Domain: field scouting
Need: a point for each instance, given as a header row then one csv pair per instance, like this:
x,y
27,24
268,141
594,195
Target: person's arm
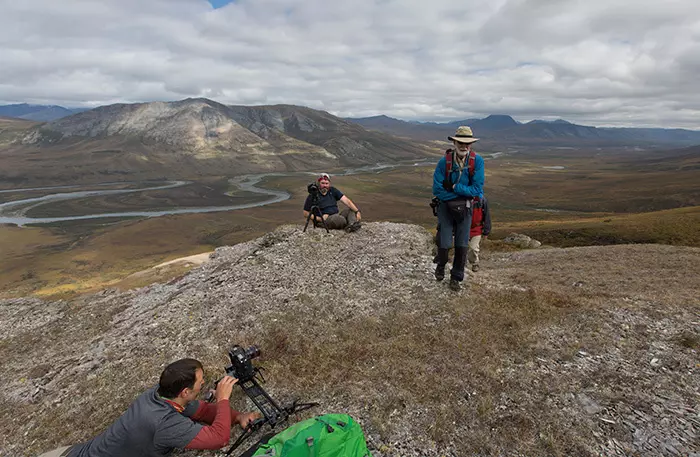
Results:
x,y
438,177
206,412
477,186
315,217
487,218
307,208
347,202
216,435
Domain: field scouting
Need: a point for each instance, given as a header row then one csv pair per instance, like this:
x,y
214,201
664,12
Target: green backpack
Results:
x,y
330,435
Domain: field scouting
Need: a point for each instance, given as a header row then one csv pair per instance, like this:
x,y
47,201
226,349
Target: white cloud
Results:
x,y
599,62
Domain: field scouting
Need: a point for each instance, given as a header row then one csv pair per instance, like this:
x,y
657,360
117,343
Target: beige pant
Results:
x,y
60,452
474,249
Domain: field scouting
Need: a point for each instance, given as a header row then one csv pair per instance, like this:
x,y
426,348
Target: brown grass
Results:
x,y
446,363
680,227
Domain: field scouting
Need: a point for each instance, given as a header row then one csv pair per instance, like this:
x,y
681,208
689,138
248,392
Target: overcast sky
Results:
x,y
597,62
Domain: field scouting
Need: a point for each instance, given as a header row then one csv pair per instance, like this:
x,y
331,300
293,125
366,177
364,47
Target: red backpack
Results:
x,y
470,163
477,216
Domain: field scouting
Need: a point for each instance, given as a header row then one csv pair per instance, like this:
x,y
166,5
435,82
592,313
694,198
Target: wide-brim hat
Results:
x,y
463,135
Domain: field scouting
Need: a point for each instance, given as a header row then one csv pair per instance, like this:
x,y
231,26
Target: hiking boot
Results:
x,y
440,272
455,285
354,227
475,267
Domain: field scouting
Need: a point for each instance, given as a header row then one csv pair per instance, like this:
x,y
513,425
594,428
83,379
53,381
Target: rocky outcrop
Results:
x,y
522,241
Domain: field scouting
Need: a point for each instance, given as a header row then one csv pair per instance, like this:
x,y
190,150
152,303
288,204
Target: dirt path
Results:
x,y
196,259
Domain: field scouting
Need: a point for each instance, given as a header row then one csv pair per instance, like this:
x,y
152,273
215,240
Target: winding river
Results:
x,y
14,212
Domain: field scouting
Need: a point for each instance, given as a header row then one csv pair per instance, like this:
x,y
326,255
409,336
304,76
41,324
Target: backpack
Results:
x,y
330,435
471,160
477,213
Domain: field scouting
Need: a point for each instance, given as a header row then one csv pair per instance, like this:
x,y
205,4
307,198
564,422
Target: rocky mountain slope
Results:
x,y
196,137
580,351
12,130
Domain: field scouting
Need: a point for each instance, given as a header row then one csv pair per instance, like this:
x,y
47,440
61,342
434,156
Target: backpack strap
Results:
x,y
471,164
448,163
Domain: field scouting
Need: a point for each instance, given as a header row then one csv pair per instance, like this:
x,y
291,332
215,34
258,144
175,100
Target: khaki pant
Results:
x,y
474,249
60,452
339,221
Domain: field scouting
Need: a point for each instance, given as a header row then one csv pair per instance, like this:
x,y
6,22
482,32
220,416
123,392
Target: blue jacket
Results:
x,y
462,188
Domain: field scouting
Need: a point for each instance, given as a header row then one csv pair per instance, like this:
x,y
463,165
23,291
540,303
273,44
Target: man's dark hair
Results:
x,y
177,376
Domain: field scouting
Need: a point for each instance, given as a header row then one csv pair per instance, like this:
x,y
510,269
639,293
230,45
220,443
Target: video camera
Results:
x,y
313,189
315,211
242,368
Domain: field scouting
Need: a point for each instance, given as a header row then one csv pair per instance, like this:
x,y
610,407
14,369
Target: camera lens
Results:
x,y
252,352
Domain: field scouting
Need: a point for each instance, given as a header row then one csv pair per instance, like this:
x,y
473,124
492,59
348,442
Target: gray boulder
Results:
x,y
522,241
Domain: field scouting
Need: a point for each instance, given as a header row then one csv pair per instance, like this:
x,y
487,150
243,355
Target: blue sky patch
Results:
x,y
220,3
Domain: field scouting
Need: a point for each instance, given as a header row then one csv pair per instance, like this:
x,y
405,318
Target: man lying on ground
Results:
x,y
166,417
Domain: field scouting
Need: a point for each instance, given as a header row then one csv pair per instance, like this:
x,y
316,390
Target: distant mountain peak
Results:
x,y
493,122
501,117
541,121
379,117
40,113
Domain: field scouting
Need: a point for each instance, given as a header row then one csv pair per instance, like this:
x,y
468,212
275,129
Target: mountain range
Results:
x,y
496,129
499,130
188,139
40,113
199,137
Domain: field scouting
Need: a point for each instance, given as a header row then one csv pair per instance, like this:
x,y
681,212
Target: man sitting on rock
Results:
x,y
166,417
327,203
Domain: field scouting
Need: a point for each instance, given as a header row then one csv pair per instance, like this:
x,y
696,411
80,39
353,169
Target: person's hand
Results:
x,y
244,419
224,388
447,184
359,216
483,237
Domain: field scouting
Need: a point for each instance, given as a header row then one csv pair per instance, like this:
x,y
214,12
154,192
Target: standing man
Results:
x,y
166,417
348,219
458,178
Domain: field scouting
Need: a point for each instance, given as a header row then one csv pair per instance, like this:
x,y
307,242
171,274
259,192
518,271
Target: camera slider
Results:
x,y
273,414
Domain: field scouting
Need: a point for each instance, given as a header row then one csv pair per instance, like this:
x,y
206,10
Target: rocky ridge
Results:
x,y
558,351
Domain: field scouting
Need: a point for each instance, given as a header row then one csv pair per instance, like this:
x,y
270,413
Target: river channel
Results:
x,y
15,212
